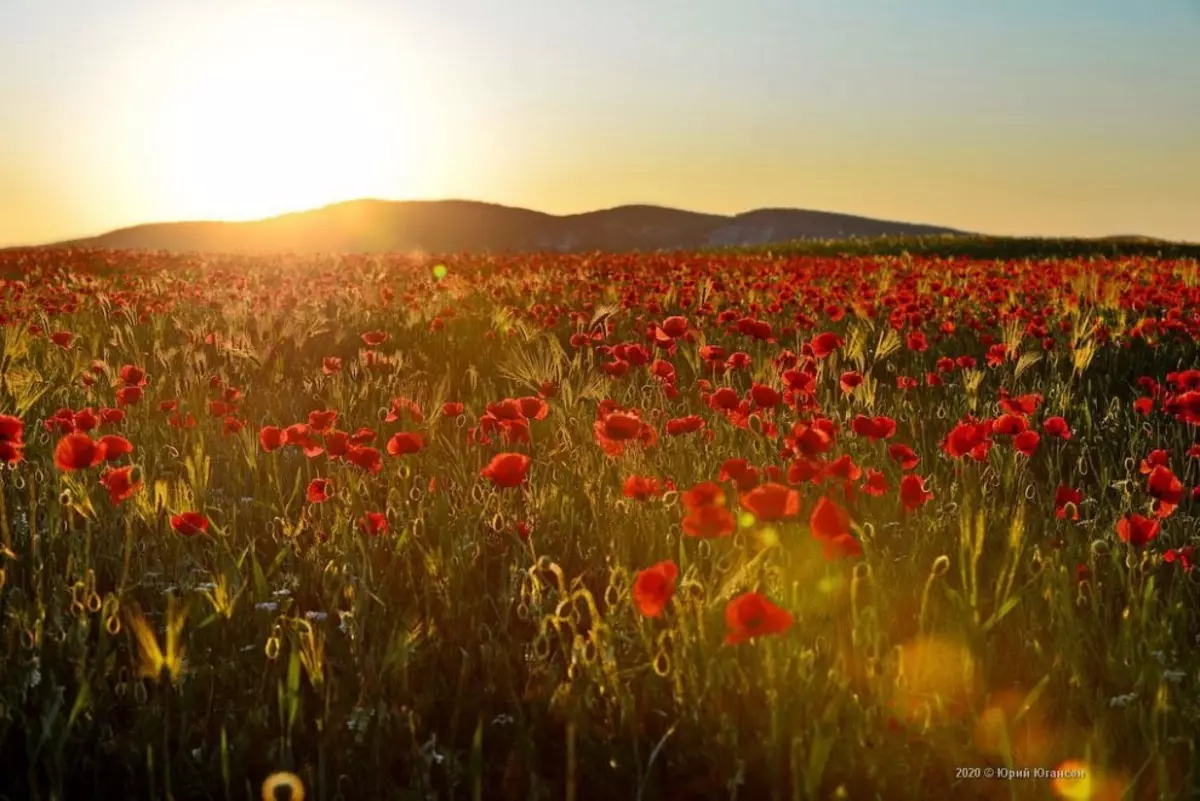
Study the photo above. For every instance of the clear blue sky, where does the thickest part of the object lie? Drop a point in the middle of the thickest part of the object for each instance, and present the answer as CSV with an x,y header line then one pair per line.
x,y
1014,117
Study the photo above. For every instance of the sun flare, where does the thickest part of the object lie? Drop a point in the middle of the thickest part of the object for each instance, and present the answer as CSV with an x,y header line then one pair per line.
x,y
280,117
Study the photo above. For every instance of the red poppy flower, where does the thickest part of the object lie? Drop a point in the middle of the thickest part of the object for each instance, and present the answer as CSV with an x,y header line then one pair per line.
x,y
337,443
133,376
1056,427
824,344
769,502
128,396
300,435
85,420
373,524
706,493
614,428
120,483
362,436
77,452
533,407
405,442
709,522
1026,442
62,339
1137,530
321,421
684,425
319,490
189,524
812,438
876,483
219,408
1009,425
12,436
751,615
844,468
368,459
331,365
1166,489
1021,404
913,493
873,428
654,586
968,438
904,455
641,488
620,426
675,327
62,421
452,409
724,399
765,397
1186,556
113,447
1156,458
740,472
850,381
373,339
1143,406
109,416
1063,496
828,521
801,470
507,470
271,438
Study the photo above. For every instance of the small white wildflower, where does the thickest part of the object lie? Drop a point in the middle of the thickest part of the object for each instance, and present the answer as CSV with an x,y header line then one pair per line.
x,y
1122,700
319,617
359,719
282,593
205,586
266,606
430,752
1174,676
502,720
1160,656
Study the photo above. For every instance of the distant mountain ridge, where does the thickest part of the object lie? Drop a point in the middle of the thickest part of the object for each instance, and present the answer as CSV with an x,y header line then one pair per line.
x,y
465,225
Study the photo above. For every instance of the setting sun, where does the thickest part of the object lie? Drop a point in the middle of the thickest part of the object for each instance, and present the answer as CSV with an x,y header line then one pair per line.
x,y
286,114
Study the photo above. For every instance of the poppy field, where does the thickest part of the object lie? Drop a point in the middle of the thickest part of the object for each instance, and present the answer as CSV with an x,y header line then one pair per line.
x,y
653,527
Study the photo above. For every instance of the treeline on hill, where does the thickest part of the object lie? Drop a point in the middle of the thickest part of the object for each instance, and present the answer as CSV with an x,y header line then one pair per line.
x,y
984,247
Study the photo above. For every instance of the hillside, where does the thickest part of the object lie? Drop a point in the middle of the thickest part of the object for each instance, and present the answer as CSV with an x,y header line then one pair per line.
x,y
459,225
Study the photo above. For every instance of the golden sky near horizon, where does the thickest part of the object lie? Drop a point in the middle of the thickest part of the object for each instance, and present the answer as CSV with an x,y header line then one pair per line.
x,y
984,119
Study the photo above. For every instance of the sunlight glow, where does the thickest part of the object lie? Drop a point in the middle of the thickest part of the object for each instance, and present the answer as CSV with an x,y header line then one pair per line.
x,y
289,115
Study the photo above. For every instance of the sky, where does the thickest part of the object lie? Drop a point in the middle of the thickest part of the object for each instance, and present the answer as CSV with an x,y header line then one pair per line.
x,y
1025,117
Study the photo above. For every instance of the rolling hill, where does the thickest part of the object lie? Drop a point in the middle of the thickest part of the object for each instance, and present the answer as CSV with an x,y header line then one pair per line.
x,y
461,225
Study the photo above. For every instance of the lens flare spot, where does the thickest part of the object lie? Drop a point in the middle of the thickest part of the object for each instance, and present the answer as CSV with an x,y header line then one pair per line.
x,y
1073,780
281,786
746,520
830,585
440,271
768,537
